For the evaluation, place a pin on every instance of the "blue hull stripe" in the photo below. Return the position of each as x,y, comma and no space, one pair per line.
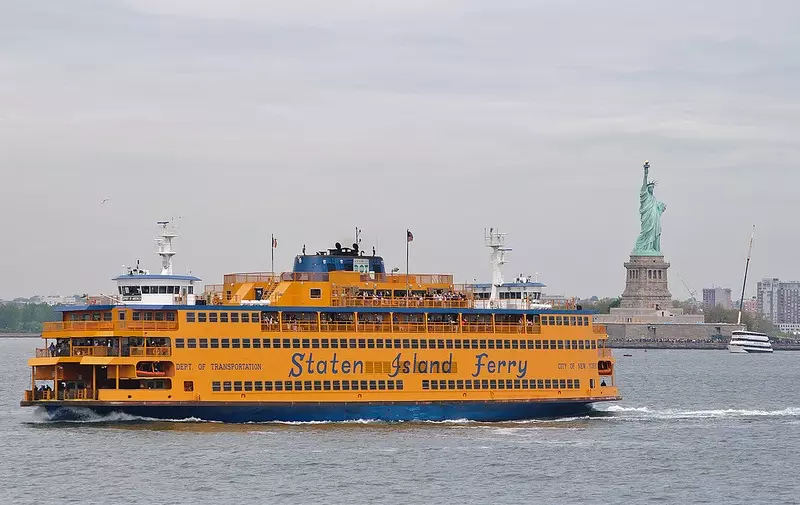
266,412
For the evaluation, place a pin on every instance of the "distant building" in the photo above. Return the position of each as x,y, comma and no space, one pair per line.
750,305
717,297
779,302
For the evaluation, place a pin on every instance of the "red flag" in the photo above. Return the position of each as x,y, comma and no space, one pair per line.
274,243
409,236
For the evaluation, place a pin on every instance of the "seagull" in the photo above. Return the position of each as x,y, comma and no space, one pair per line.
104,200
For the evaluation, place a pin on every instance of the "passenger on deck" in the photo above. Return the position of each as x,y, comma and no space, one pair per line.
52,349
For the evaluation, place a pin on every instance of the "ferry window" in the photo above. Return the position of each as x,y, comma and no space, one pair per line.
451,384
539,383
248,385
137,316
223,317
485,384
406,343
381,384
212,317
562,384
363,385
440,344
370,343
268,385
107,316
434,384
467,384
189,317
373,385
237,385
162,290
259,386
315,293
315,343
414,343
326,385
423,344
345,385
324,343
215,386
457,344
352,343
594,344
286,343
145,290
121,315
552,344
170,290
475,344
560,344
226,386
203,343
551,320
334,343
576,383
390,385
337,386
254,317
306,343
524,384
201,317
179,343
397,344
580,344
493,384
379,343
425,385
170,316
245,317
517,384
515,344
483,344
568,345
226,343
191,290
547,384
307,385
295,343
159,316
148,315
256,343
491,344
501,384
569,383
234,343
234,317
192,343
214,343
506,344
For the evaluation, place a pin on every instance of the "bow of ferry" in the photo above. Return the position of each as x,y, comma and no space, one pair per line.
336,339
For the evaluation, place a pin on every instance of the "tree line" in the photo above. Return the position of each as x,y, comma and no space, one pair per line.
25,317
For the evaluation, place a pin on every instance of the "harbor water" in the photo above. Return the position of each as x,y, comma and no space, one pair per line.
694,427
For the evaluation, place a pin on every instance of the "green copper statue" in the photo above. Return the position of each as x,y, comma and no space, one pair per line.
650,210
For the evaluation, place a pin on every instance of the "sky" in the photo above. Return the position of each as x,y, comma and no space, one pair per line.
305,119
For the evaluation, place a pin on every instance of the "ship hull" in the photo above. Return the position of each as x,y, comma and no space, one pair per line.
315,412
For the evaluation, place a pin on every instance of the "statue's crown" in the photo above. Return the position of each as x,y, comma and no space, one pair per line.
652,183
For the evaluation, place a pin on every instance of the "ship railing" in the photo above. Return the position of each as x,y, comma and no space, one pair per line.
604,352
43,352
78,326
91,350
337,326
509,328
270,326
599,329
151,351
468,327
305,276
243,277
61,394
443,327
534,329
299,326
407,327
412,302
373,326
410,279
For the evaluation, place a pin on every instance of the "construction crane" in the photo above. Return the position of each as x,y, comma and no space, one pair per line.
692,292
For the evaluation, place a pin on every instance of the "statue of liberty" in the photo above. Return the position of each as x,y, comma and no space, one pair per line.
650,210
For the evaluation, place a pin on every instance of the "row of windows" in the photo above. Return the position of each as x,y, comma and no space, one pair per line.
153,290
379,343
336,385
503,384
222,317
565,320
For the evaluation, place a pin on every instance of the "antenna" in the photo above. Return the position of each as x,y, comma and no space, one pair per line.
746,267
164,242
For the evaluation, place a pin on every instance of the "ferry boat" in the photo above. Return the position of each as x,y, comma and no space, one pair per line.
749,342
337,338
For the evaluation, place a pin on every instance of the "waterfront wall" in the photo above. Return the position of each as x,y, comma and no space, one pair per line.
671,331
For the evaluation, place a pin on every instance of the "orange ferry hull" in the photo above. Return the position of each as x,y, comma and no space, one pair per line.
487,411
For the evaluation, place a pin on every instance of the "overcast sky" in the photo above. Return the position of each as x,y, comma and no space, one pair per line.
304,119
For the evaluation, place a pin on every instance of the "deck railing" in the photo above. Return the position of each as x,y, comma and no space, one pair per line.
78,326
509,328
604,352
150,351
410,302
599,329
299,326
149,325
471,327
62,394
337,326
373,326
43,352
443,327
92,350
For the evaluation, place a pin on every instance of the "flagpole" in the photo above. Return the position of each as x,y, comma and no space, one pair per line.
272,251
408,292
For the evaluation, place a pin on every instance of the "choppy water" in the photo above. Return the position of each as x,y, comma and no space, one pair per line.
695,427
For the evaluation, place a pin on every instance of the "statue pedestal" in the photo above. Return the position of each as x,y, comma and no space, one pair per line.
646,284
